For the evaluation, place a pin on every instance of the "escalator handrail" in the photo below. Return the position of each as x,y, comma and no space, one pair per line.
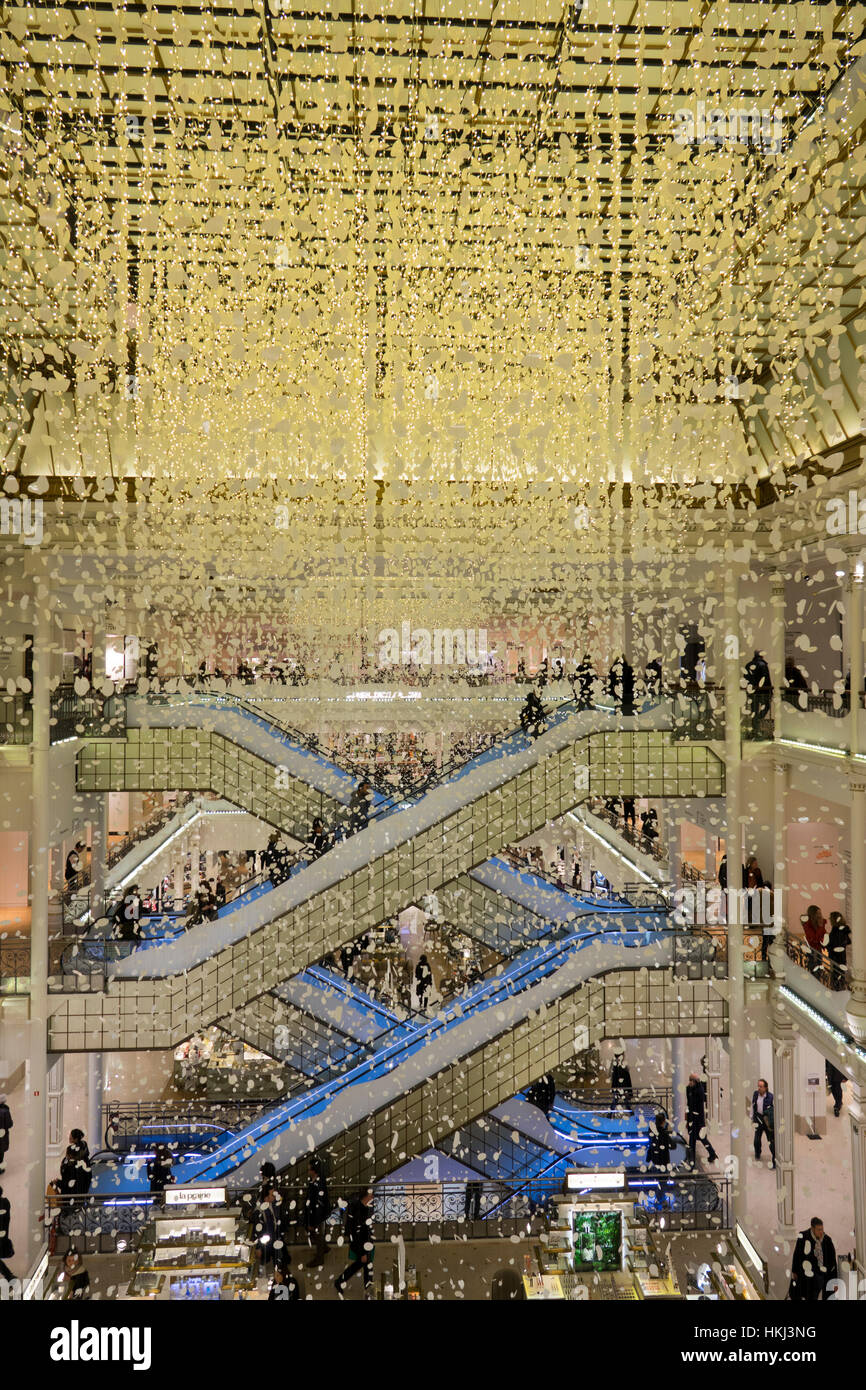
441,1024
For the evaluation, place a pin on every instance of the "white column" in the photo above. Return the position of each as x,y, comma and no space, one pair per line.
34,1124
714,1081
854,635
776,657
780,845
95,1082
674,846
100,641
857,1118
736,980
784,1106
857,960
178,878
710,857
679,1082
98,850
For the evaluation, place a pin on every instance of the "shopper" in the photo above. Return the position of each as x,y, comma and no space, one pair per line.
359,806
318,841
359,1238
837,950
696,1120
472,1200
661,1141
835,1080
760,691
532,715
7,1249
813,1265
814,930
620,1081
763,1120
317,1209
754,877
628,811
159,1172
423,982
5,1126
76,1173
649,827
76,1280
73,862
267,1223
585,684
284,1286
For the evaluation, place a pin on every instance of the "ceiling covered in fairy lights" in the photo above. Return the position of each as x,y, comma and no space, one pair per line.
426,286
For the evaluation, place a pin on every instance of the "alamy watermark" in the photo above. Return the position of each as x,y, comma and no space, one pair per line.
701,906
846,517
444,646
732,125
22,516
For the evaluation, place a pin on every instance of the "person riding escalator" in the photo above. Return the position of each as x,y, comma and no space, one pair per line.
532,715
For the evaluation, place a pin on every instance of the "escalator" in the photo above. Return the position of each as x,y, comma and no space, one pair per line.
403,854
531,984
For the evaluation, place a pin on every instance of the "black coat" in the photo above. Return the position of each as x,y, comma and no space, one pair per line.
6,1247
620,1078
807,1280
659,1152
359,1229
837,946
159,1173
769,1112
76,1174
5,1126
317,1205
696,1104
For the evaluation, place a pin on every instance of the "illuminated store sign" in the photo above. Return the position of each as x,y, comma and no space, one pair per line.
594,1182
194,1196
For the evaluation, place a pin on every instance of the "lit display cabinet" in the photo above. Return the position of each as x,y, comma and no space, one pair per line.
199,1257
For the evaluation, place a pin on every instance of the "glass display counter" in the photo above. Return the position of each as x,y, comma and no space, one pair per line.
596,1253
217,1067
200,1257
730,1276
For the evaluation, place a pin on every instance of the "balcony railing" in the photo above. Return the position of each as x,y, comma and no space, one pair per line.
818,963
432,1211
72,716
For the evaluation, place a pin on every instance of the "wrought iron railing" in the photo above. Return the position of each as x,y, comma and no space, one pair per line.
14,967
817,962
836,704
434,1211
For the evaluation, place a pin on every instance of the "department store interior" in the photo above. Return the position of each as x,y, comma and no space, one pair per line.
432,723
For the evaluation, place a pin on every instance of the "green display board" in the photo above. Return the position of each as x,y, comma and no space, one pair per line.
597,1240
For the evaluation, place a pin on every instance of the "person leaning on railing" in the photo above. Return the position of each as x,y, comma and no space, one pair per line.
814,930
837,950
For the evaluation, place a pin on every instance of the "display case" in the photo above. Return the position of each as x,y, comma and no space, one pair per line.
217,1067
730,1276
599,1253
201,1257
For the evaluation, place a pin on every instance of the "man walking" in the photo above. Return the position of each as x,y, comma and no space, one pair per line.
359,1238
763,1120
813,1265
696,1120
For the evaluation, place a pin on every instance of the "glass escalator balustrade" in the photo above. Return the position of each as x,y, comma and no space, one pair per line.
405,1041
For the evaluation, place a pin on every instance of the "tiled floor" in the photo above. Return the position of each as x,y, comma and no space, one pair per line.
822,1187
